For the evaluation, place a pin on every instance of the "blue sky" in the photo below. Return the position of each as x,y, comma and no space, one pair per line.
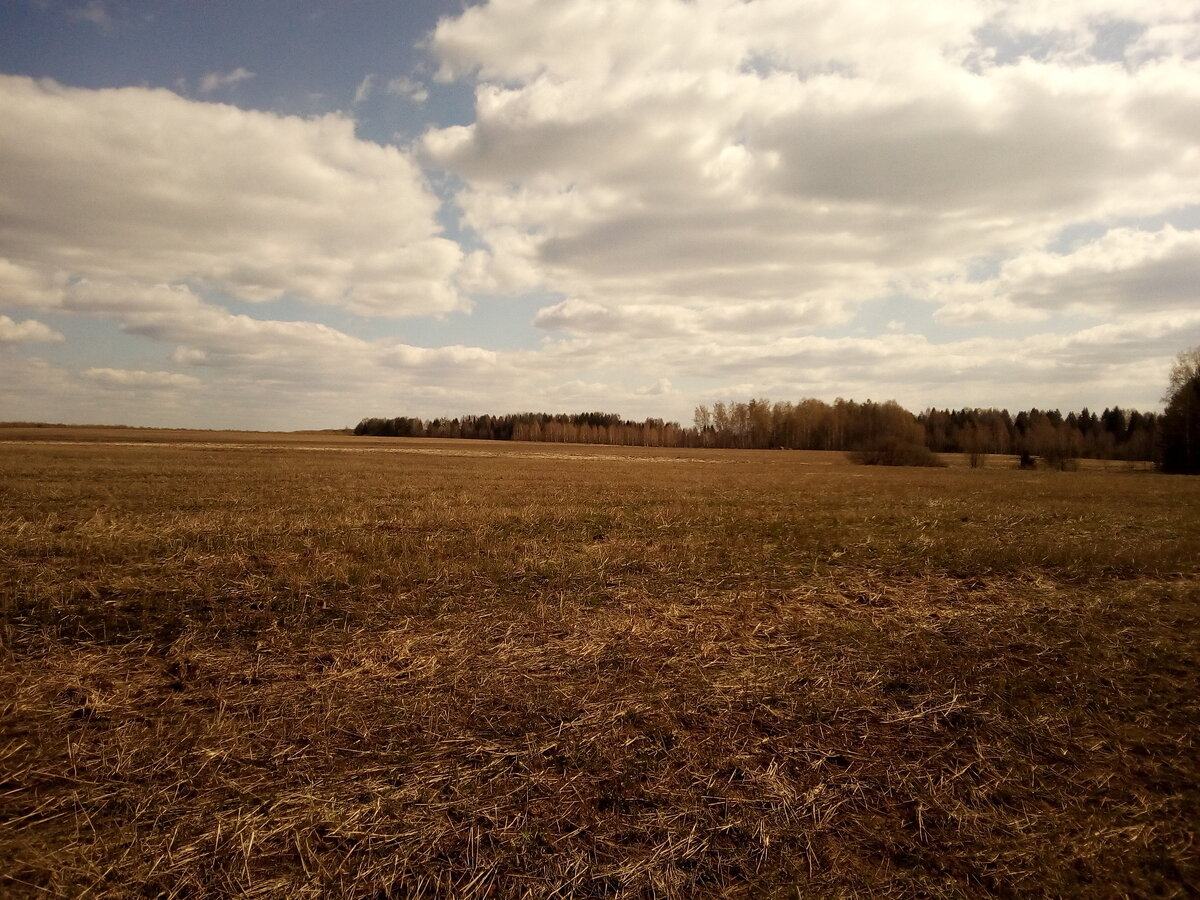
296,214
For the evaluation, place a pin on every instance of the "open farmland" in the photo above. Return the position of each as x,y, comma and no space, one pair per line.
324,666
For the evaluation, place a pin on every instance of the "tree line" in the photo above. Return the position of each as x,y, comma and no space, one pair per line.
811,424
874,432
569,428
849,425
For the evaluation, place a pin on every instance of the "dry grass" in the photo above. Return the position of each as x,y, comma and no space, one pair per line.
253,667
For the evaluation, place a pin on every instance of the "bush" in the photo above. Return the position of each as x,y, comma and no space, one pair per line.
1060,459
894,451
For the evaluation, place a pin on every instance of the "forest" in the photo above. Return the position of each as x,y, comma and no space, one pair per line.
811,424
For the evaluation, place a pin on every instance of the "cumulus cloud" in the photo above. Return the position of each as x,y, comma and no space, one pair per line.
28,331
1123,363
36,390
28,286
146,186
659,322
214,81
714,198
136,378
207,335
296,355
657,162
409,88
658,389
1127,271
238,371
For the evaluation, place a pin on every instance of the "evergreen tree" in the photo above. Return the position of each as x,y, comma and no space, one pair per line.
1179,430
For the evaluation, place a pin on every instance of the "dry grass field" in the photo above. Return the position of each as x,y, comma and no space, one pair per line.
307,666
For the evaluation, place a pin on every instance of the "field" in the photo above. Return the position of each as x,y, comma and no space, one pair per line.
324,666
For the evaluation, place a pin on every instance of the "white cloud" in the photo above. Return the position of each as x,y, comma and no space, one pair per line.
714,198
363,91
28,331
664,165
660,388
296,355
410,88
1177,38
35,390
144,186
665,321
136,378
1126,271
1121,363
27,286
1081,17
214,81
210,336
94,12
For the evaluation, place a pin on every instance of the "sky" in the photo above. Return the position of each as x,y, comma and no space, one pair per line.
294,214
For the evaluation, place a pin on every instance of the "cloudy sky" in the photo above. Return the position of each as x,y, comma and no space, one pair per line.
289,213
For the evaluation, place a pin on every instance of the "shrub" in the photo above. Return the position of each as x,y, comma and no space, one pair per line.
892,450
1061,459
